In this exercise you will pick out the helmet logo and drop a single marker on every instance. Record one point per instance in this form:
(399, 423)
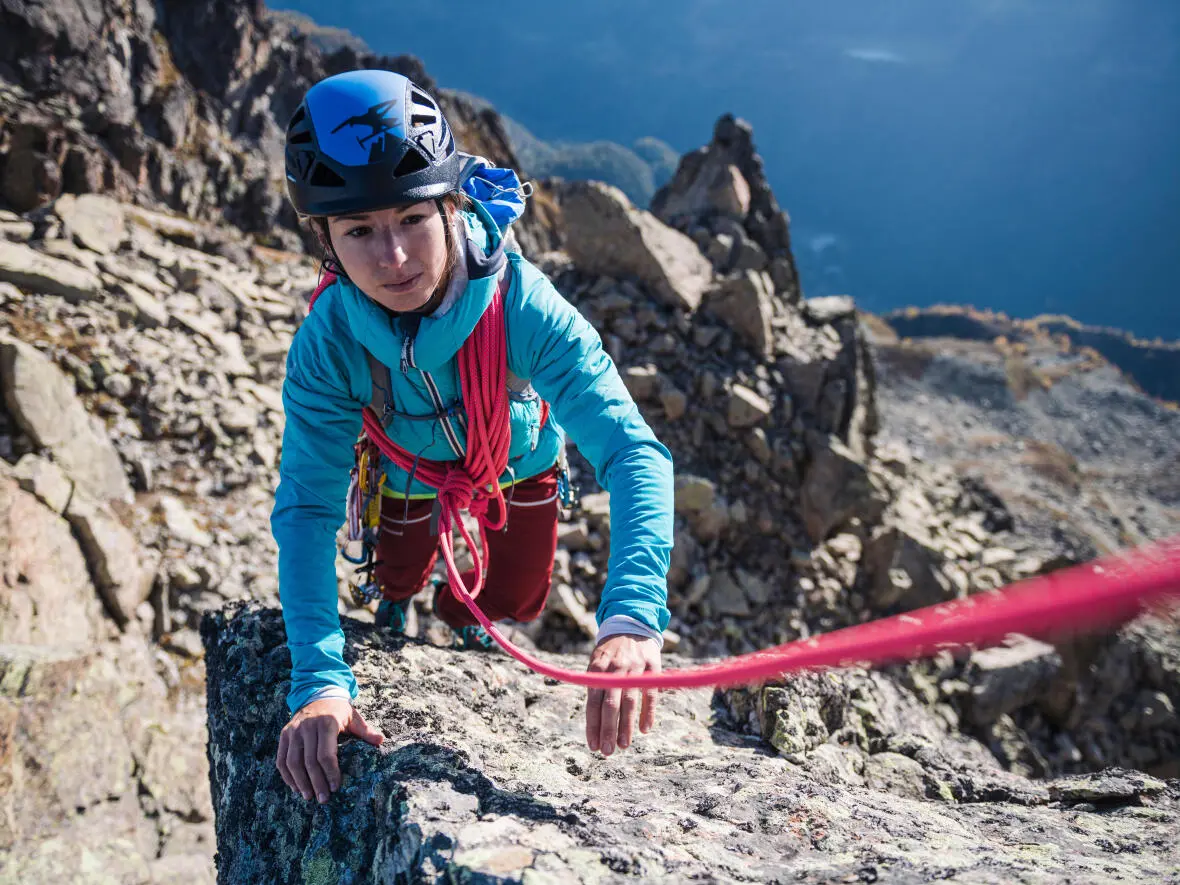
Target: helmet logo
(380, 120)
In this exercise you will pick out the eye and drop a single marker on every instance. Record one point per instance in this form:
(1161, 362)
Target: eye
(357, 232)
(416, 218)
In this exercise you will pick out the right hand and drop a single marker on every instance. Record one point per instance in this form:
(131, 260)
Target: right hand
(307, 746)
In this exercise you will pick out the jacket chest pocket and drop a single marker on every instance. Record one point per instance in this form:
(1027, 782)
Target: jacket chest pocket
(525, 419)
(524, 407)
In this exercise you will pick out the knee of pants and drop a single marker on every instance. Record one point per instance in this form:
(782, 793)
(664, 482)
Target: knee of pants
(529, 605)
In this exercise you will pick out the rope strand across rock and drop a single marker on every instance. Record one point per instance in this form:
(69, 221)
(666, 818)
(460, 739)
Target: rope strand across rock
(1101, 593)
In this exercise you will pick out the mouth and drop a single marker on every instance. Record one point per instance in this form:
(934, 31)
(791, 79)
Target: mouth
(401, 288)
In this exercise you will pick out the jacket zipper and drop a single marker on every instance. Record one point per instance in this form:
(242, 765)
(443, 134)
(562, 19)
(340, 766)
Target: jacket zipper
(435, 397)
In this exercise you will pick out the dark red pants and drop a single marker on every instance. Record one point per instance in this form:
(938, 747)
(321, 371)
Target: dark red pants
(519, 556)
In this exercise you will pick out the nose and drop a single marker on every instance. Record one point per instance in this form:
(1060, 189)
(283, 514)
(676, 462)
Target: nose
(391, 251)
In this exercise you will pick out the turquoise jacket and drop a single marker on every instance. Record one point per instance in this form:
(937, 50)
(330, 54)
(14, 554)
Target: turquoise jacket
(329, 381)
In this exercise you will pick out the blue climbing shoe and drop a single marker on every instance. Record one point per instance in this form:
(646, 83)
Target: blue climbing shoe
(392, 616)
(474, 638)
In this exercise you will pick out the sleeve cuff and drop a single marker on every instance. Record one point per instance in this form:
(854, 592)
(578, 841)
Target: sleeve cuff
(328, 691)
(623, 625)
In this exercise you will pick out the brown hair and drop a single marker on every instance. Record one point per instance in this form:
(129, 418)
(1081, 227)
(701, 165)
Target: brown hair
(453, 203)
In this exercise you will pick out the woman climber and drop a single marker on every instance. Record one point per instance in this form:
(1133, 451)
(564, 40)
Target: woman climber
(414, 234)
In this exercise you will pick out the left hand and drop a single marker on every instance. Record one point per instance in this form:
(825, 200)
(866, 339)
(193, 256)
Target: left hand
(610, 713)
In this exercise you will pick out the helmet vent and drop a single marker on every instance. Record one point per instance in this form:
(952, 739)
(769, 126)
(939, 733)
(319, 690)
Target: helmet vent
(303, 137)
(412, 162)
(423, 99)
(300, 162)
(422, 120)
(298, 118)
(322, 176)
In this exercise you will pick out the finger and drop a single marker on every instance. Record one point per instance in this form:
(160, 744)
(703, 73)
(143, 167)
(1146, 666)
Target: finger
(326, 755)
(593, 717)
(358, 726)
(647, 716)
(281, 759)
(295, 763)
(610, 721)
(594, 698)
(312, 751)
(627, 716)
(647, 713)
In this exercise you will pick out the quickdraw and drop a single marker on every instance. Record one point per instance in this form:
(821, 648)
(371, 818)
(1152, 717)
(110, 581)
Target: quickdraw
(568, 494)
(364, 521)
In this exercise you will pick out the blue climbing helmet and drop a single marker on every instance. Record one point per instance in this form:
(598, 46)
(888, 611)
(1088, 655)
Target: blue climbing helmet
(367, 140)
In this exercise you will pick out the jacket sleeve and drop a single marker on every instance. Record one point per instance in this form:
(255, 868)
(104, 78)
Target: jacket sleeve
(560, 352)
(322, 423)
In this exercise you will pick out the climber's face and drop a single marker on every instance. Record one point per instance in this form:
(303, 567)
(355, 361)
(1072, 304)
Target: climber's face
(397, 257)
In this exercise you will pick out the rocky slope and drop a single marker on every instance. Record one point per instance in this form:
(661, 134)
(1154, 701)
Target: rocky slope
(1085, 464)
(141, 358)
(138, 457)
(1069, 443)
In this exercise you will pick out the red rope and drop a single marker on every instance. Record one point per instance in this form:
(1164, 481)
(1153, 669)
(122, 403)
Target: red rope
(1105, 592)
(1108, 591)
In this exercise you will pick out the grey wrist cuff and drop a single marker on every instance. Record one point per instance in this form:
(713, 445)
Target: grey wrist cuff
(624, 625)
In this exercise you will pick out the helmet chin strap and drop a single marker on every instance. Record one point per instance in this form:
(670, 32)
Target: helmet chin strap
(442, 211)
(332, 264)
(331, 261)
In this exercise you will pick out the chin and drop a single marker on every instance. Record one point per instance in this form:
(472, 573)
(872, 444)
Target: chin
(402, 303)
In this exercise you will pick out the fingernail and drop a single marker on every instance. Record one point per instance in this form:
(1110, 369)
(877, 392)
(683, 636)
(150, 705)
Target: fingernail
(335, 785)
(323, 797)
(307, 796)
